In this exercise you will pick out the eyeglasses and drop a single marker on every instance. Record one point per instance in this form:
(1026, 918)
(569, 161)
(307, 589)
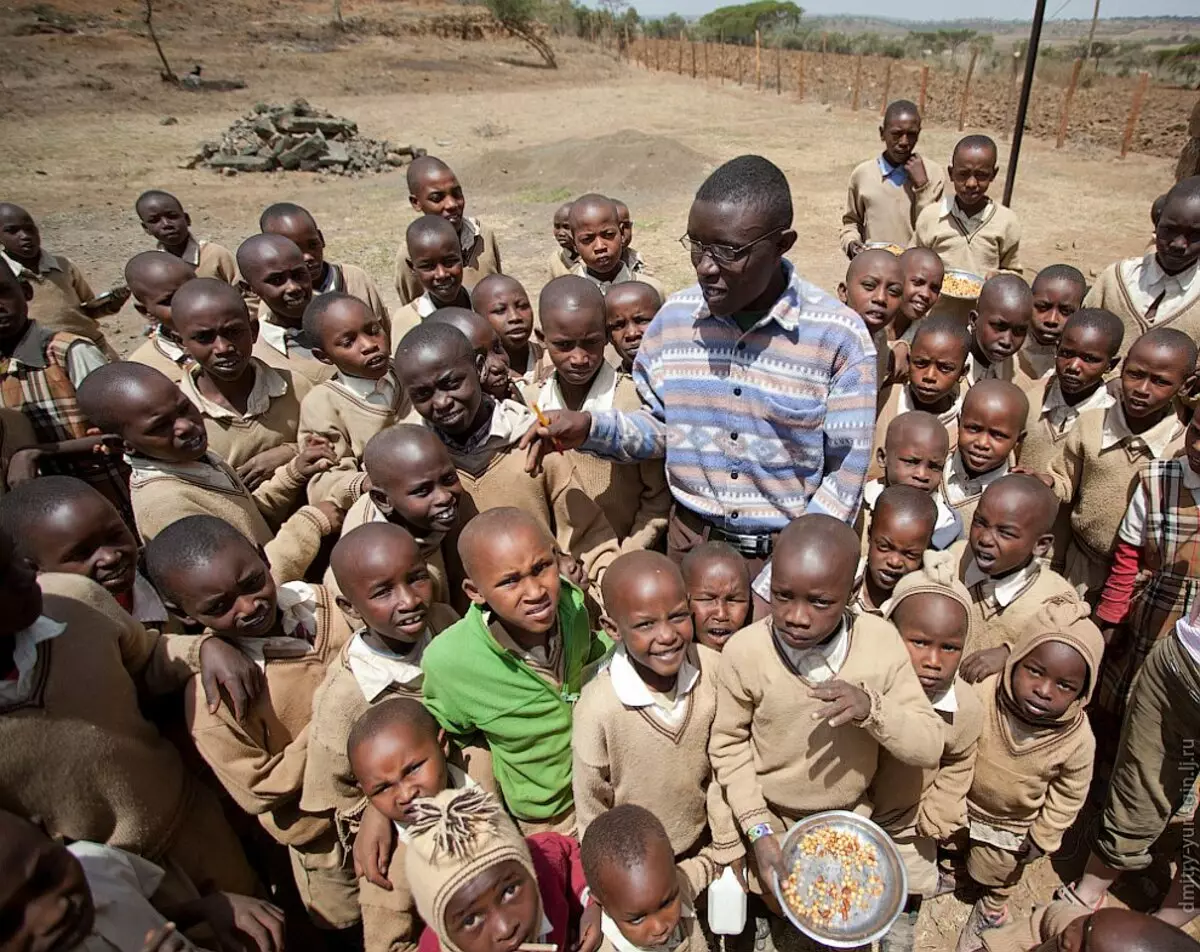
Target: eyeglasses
(722, 254)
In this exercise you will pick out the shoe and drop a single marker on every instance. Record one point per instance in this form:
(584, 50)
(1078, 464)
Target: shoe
(946, 884)
(902, 936)
(979, 922)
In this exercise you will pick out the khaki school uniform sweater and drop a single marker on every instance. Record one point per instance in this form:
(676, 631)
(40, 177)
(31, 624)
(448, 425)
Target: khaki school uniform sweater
(689, 935)
(348, 421)
(560, 262)
(355, 281)
(994, 246)
(58, 289)
(1109, 292)
(878, 210)
(1042, 442)
(482, 259)
(890, 397)
(260, 759)
(629, 755)
(150, 353)
(993, 624)
(313, 371)
(239, 439)
(160, 498)
(79, 754)
(776, 763)
(934, 801)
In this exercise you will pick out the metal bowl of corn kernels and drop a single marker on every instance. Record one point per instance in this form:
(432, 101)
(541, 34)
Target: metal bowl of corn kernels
(847, 882)
(888, 246)
(962, 285)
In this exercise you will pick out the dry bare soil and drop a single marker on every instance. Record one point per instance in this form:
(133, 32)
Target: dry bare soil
(82, 134)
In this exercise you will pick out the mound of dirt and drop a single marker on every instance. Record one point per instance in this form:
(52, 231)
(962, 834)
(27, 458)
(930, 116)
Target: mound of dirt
(623, 163)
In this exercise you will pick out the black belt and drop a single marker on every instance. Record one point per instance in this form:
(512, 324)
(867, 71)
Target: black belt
(754, 545)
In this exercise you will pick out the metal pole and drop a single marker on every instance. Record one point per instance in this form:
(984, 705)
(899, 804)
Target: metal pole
(1035, 37)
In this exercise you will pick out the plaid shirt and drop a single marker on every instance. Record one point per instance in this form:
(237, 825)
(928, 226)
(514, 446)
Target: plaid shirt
(759, 426)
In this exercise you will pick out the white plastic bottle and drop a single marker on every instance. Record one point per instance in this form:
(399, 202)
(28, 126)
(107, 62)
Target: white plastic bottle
(726, 905)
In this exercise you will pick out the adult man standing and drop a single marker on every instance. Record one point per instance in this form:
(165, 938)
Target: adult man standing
(758, 387)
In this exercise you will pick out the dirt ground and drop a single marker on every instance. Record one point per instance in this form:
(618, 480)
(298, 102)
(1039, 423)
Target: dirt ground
(82, 115)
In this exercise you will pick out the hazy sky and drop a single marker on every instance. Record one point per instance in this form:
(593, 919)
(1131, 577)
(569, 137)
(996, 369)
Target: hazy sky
(945, 9)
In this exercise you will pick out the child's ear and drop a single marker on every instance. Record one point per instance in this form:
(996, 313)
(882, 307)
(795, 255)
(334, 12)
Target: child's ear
(784, 243)
(972, 317)
(881, 457)
(610, 628)
(347, 609)
(27, 290)
(243, 287)
(443, 741)
(472, 592)
(382, 503)
(416, 206)
(1112, 364)
(480, 360)
(321, 356)
(1041, 548)
(321, 239)
(841, 291)
(187, 219)
(178, 612)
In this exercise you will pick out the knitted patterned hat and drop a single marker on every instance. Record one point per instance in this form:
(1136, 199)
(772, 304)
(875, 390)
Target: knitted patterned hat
(938, 575)
(1063, 618)
(454, 837)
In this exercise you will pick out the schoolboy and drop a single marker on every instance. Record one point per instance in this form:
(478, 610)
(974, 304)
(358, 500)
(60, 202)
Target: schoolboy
(433, 189)
(512, 669)
(297, 224)
(822, 690)
(494, 378)
(1160, 288)
(40, 372)
(480, 887)
(628, 310)
(1064, 927)
(873, 289)
(1097, 467)
(503, 301)
(641, 727)
(646, 901)
(718, 587)
(215, 578)
(1001, 564)
(914, 453)
(436, 259)
(968, 230)
(921, 808)
(60, 298)
(153, 278)
(75, 665)
(989, 431)
(1035, 757)
(596, 230)
(900, 531)
(887, 193)
(363, 397)
(251, 412)
(937, 364)
(174, 475)
(637, 264)
(564, 257)
(163, 218)
(441, 375)
(1058, 293)
(275, 270)
(634, 496)
(395, 750)
(923, 277)
(999, 326)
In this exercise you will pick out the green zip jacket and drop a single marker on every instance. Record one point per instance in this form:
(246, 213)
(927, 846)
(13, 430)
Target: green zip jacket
(474, 686)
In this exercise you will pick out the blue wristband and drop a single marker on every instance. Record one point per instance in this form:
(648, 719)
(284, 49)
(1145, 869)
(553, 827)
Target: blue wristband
(758, 831)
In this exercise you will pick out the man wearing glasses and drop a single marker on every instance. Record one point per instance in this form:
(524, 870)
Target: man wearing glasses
(758, 388)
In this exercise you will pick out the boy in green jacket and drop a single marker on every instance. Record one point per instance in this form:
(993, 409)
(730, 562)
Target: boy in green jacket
(512, 669)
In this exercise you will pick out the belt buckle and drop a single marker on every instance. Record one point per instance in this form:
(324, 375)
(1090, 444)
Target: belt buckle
(755, 545)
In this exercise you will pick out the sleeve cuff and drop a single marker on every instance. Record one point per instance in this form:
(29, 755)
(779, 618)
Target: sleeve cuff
(317, 518)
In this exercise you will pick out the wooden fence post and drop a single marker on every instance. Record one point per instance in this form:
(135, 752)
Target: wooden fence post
(692, 44)
(758, 59)
(679, 62)
(924, 88)
(857, 82)
(887, 88)
(1064, 115)
(779, 71)
(800, 77)
(739, 64)
(1135, 110)
(721, 57)
(706, 61)
(824, 37)
(966, 95)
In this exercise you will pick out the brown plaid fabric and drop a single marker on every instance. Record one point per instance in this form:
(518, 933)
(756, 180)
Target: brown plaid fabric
(1167, 582)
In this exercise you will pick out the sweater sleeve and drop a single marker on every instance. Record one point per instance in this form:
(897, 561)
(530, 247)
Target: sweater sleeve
(729, 747)
(903, 721)
(628, 437)
(726, 845)
(849, 430)
(1065, 796)
(1010, 248)
(1118, 589)
(853, 217)
(276, 497)
(932, 191)
(650, 520)
(296, 544)
(79, 283)
(580, 526)
(1066, 469)
(943, 808)
(591, 780)
(318, 418)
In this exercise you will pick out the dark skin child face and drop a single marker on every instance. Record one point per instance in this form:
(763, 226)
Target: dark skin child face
(281, 279)
(575, 341)
(900, 137)
(233, 595)
(1150, 378)
(627, 315)
(154, 290)
(922, 286)
(597, 234)
(220, 339)
(809, 592)
(1084, 356)
(916, 457)
(390, 588)
(1047, 681)
(14, 308)
(354, 340)
(444, 388)
(651, 618)
(1000, 330)
(1177, 235)
(45, 903)
(439, 193)
(303, 232)
(753, 281)
(1003, 536)
(437, 261)
(643, 900)
(988, 431)
(971, 172)
(422, 491)
(896, 543)
(85, 535)
(933, 628)
(936, 364)
(562, 229)
(874, 288)
(496, 911)
(719, 594)
(1054, 300)
(164, 220)
(488, 349)
(158, 421)
(506, 306)
(20, 595)
(1192, 445)
(517, 577)
(398, 765)
(19, 235)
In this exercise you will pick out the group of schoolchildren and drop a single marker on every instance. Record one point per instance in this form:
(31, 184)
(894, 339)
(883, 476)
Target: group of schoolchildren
(303, 652)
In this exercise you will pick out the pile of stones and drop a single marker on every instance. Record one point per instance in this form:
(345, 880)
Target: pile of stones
(298, 137)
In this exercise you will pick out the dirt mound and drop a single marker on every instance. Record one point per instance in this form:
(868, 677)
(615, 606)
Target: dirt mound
(623, 163)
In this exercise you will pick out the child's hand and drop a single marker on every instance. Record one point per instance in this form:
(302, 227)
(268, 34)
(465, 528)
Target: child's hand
(739, 873)
(899, 362)
(107, 303)
(844, 703)
(333, 513)
(572, 568)
(166, 939)
(915, 167)
(242, 922)
(1045, 478)
(259, 468)
(983, 664)
(224, 668)
(373, 847)
(768, 855)
(23, 466)
(590, 936)
(315, 456)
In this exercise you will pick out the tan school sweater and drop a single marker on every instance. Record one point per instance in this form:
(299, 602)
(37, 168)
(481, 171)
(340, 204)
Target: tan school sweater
(772, 758)
(627, 755)
(1109, 292)
(890, 398)
(150, 354)
(357, 282)
(690, 934)
(79, 754)
(932, 800)
(348, 422)
(877, 210)
(483, 259)
(313, 371)
(994, 246)
(260, 760)
(57, 293)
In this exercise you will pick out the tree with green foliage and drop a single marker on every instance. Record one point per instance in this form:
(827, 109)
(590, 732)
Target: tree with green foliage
(737, 24)
(520, 18)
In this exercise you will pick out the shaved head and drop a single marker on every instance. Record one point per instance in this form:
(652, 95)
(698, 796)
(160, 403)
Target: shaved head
(107, 391)
(918, 257)
(1169, 339)
(818, 534)
(206, 296)
(258, 253)
(427, 341)
(877, 258)
(1007, 292)
(273, 215)
(590, 205)
(633, 573)
(370, 543)
(571, 294)
(430, 231)
(916, 425)
(906, 502)
(399, 446)
(1034, 498)
(901, 109)
(423, 167)
(629, 293)
(148, 271)
(10, 212)
(492, 528)
(466, 321)
(395, 712)
(1123, 930)
(999, 393)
